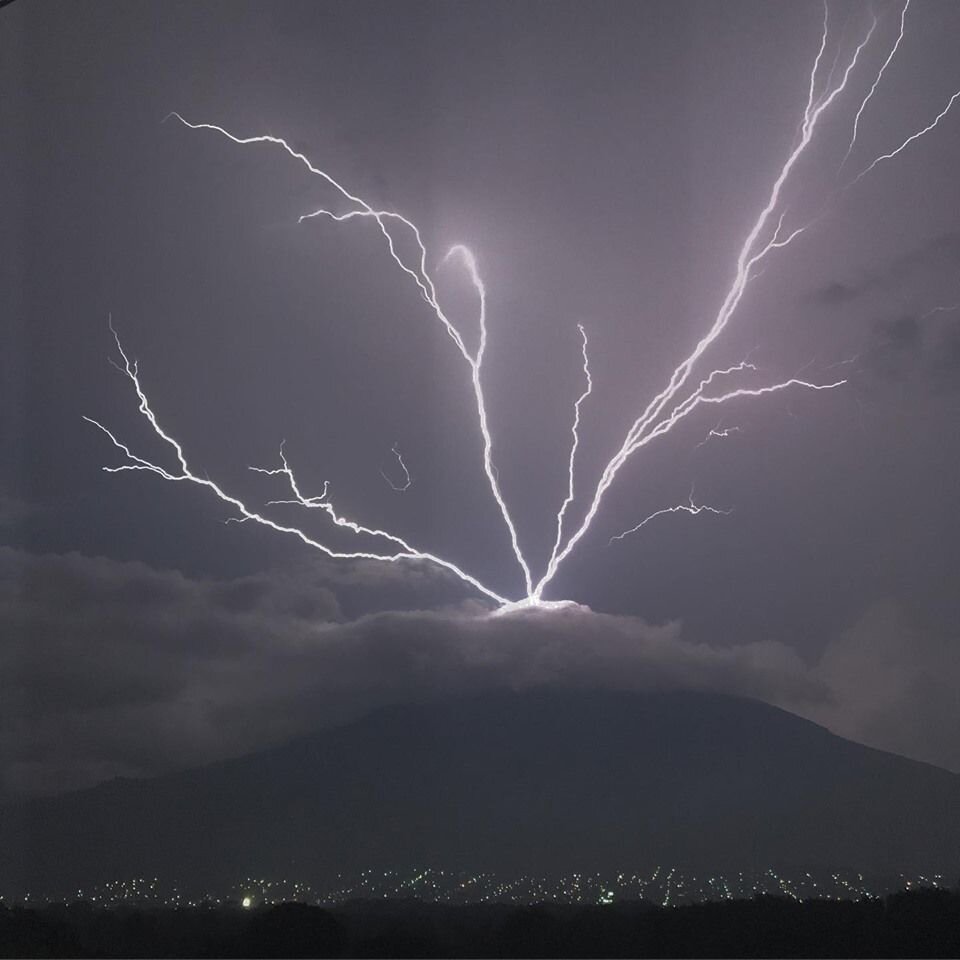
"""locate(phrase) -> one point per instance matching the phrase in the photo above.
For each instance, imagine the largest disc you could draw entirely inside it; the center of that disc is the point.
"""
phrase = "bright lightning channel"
(185, 474)
(670, 407)
(425, 284)
(751, 254)
(575, 431)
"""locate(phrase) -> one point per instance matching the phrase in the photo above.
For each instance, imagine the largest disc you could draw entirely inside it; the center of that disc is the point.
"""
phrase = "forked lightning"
(682, 395)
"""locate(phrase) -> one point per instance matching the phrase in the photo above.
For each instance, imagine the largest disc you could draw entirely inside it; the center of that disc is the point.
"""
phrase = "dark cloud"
(922, 349)
(945, 361)
(135, 671)
(835, 294)
(894, 686)
(895, 348)
(902, 333)
(14, 510)
(940, 253)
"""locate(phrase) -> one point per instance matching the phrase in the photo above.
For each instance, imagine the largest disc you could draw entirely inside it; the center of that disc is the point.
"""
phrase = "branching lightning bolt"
(425, 284)
(678, 400)
(588, 389)
(876, 82)
(751, 253)
(406, 552)
(816, 65)
(691, 507)
(906, 143)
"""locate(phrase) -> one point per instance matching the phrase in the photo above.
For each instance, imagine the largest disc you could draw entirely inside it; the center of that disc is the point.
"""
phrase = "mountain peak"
(528, 782)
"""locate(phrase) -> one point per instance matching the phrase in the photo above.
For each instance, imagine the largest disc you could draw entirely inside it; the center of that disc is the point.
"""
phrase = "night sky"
(604, 161)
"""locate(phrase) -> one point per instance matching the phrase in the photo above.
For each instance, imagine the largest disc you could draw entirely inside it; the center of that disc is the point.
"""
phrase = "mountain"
(525, 783)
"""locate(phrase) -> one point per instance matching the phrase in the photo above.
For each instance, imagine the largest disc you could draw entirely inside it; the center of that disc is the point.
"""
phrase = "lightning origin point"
(532, 605)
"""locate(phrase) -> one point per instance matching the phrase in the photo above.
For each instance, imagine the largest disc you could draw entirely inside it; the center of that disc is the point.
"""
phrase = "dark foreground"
(923, 923)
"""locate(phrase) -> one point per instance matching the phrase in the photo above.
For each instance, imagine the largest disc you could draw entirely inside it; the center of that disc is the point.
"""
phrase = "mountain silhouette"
(530, 783)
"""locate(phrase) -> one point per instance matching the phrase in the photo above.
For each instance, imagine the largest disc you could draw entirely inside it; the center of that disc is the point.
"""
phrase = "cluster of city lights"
(663, 885)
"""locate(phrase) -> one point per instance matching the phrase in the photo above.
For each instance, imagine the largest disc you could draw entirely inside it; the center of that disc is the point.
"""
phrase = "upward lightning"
(691, 507)
(402, 550)
(876, 82)
(424, 282)
(913, 136)
(682, 396)
(575, 430)
(751, 254)
(407, 479)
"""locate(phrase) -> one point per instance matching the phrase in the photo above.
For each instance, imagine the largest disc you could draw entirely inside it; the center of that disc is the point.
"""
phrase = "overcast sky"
(605, 162)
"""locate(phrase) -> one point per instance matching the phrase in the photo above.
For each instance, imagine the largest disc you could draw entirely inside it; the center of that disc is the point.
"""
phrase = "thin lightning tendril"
(906, 143)
(665, 411)
(719, 432)
(407, 479)
(816, 66)
(950, 309)
(691, 507)
(876, 82)
(575, 430)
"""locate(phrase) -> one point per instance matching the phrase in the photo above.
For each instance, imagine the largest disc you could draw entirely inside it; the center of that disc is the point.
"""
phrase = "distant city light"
(666, 886)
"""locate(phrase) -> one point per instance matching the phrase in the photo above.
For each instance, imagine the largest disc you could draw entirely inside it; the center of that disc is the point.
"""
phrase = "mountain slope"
(521, 783)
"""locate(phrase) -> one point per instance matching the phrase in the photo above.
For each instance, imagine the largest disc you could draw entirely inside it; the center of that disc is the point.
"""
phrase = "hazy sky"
(605, 162)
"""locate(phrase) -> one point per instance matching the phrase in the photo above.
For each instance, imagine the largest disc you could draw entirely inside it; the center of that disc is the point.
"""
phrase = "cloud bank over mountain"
(115, 668)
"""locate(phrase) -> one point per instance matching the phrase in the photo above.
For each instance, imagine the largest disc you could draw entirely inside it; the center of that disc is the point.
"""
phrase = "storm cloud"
(937, 254)
(113, 668)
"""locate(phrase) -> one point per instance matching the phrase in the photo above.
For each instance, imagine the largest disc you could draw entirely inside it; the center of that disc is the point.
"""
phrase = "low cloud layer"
(113, 668)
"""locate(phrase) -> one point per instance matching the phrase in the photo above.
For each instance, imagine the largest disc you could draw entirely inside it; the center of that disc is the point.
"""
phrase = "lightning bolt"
(718, 432)
(407, 480)
(752, 252)
(691, 507)
(575, 443)
(816, 65)
(421, 277)
(677, 401)
(186, 474)
(876, 82)
(906, 143)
